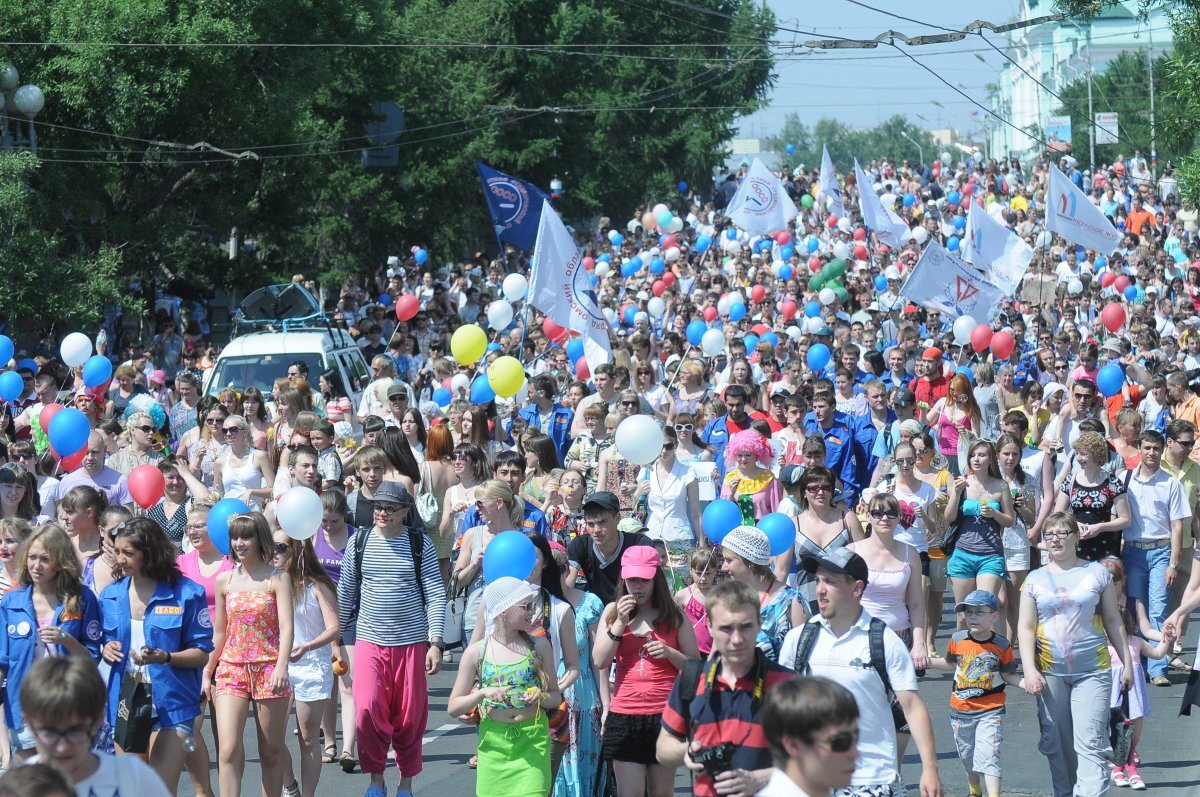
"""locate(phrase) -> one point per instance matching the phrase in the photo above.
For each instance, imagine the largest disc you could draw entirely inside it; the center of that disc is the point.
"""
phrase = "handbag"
(951, 538)
(427, 505)
(456, 608)
(135, 714)
(1120, 730)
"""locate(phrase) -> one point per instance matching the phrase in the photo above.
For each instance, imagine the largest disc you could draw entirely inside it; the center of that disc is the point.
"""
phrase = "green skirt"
(514, 759)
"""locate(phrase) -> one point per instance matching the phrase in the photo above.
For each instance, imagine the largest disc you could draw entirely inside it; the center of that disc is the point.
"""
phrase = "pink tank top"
(189, 565)
(643, 683)
(698, 615)
(948, 434)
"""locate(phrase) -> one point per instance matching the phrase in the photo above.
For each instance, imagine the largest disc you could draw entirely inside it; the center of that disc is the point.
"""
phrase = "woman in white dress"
(673, 508)
(241, 471)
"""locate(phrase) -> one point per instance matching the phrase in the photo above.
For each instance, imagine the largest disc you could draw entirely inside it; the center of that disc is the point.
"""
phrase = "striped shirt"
(390, 612)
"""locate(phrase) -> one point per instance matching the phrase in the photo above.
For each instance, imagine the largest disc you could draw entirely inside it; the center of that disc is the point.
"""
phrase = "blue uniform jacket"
(839, 451)
(176, 619)
(561, 419)
(534, 523)
(865, 435)
(716, 436)
(19, 640)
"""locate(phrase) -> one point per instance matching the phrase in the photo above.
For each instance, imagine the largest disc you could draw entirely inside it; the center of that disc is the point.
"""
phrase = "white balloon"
(841, 250)
(655, 252)
(794, 332)
(515, 287)
(500, 312)
(643, 295)
(843, 224)
(299, 512)
(811, 325)
(76, 349)
(671, 255)
(737, 297)
(656, 307)
(645, 257)
(601, 270)
(1075, 287)
(1043, 239)
(963, 325)
(459, 383)
(723, 304)
(713, 342)
(610, 315)
(639, 439)
(676, 225)
(946, 158)
(827, 296)
(949, 229)
(613, 234)
(659, 208)
(776, 267)
(920, 235)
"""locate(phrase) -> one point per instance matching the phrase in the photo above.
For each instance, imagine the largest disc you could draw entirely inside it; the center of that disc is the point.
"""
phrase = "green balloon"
(816, 282)
(806, 200)
(842, 294)
(837, 267)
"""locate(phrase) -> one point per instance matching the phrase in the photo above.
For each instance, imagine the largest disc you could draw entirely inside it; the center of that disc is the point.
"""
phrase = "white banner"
(1107, 131)
(830, 186)
(883, 221)
(942, 282)
(1072, 215)
(996, 250)
(761, 205)
(561, 288)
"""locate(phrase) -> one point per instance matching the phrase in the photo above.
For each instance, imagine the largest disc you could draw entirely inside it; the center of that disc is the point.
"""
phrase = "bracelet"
(168, 661)
(612, 636)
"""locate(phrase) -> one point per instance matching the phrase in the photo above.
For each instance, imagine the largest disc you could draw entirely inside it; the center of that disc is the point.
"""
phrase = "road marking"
(440, 731)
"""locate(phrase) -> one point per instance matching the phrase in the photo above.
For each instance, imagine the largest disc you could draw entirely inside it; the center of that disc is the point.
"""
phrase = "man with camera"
(712, 720)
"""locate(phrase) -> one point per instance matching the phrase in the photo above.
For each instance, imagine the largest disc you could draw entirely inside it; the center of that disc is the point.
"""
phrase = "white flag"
(829, 185)
(883, 221)
(942, 282)
(561, 288)
(761, 205)
(996, 250)
(1072, 215)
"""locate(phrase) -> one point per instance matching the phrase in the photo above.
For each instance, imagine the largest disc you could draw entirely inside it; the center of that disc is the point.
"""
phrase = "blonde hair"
(496, 490)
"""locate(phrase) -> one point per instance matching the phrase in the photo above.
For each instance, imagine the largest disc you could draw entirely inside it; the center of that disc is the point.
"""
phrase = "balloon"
(710, 314)
(787, 251)
(751, 341)
(964, 325)
(788, 310)
(720, 517)
(442, 397)
(953, 197)
(420, 256)
(827, 296)
(1002, 345)
(648, 221)
(1075, 286)
(695, 332)
(952, 243)
(511, 553)
(787, 272)
(769, 337)
(469, 342)
(639, 439)
(147, 485)
(299, 512)
(589, 263)
(841, 250)
(783, 237)
(702, 243)
(72, 463)
(682, 186)
(1110, 379)
(630, 314)
(713, 343)
(617, 239)
(11, 386)
(981, 337)
(758, 293)
(481, 391)
(832, 221)
(910, 200)
(658, 266)
(812, 309)
(7, 349)
(671, 254)
(1130, 292)
(813, 244)
(759, 329)
(75, 349)
(814, 264)
(669, 278)
(920, 235)
(385, 299)
(553, 330)
(780, 530)
(1107, 279)
(47, 415)
(818, 357)
(1113, 316)
(97, 370)
(460, 383)
(881, 283)
(574, 349)
(506, 375)
(499, 314)
(581, 368)
(656, 307)
(807, 201)
(630, 267)
(218, 521)
(860, 252)
(515, 286)
(406, 307)
(737, 312)
(731, 234)
(790, 149)
(1121, 283)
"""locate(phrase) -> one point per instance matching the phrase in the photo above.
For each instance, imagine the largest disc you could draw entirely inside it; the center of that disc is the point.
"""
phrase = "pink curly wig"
(750, 442)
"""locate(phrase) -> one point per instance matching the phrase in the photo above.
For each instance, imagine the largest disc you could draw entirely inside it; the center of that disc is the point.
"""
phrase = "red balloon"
(1121, 283)
(710, 314)
(1002, 345)
(669, 278)
(860, 234)
(788, 310)
(1113, 316)
(668, 241)
(72, 463)
(146, 485)
(1107, 278)
(981, 337)
(760, 329)
(589, 263)
(860, 252)
(965, 203)
(581, 368)
(783, 238)
(407, 307)
(968, 189)
(446, 383)
(814, 264)
(757, 293)
(832, 222)
(47, 414)
(658, 288)
(552, 330)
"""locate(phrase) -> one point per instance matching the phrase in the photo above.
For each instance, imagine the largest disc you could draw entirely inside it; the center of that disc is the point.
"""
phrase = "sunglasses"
(282, 547)
(880, 514)
(233, 430)
(214, 421)
(819, 488)
(629, 403)
(839, 742)
(398, 399)
(684, 427)
(905, 460)
(146, 429)
(668, 447)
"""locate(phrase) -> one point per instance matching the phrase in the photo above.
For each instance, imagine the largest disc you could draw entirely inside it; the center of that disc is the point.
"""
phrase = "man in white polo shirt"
(1158, 508)
(839, 648)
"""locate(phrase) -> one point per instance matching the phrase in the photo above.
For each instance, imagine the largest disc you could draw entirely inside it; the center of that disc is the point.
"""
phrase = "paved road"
(1171, 757)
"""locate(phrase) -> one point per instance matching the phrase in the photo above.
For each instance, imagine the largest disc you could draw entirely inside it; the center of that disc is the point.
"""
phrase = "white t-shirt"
(780, 785)
(120, 776)
(914, 532)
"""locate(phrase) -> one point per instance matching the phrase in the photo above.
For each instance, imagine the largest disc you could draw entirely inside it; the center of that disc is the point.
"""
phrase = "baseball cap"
(903, 397)
(843, 560)
(791, 474)
(892, 273)
(602, 500)
(640, 561)
(823, 331)
(157, 377)
(392, 493)
(979, 597)
(749, 543)
(630, 525)
(780, 393)
(397, 390)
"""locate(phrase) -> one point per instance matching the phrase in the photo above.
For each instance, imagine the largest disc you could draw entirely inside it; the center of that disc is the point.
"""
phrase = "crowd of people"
(647, 637)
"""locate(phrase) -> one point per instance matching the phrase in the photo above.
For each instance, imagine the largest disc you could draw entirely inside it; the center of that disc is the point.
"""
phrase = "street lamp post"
(27, 100)
(920, 151)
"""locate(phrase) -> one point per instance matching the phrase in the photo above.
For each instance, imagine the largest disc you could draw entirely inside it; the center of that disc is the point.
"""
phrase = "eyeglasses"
(1061, 534)
(398, 399)
(920, 451)
(52, 736)
(629, 403)
(282, 547)
(22, 457)
(461, 457)
(902, 461)
(668, 447)
(1082, 396)
(880, 514)
(819, 488)
(684, 427)
(387, 509)
(839, 742)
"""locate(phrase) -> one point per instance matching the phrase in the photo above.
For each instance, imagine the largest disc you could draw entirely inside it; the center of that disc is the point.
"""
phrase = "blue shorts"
(972, 565)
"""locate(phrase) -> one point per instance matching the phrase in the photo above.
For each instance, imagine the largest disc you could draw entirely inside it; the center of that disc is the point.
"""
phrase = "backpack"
(416, 541)
(808, 639)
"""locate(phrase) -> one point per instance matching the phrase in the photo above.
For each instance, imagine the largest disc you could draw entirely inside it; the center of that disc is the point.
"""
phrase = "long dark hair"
(256, 394)
(551, 576)
(395, 446)
(337, 389)
(157, 550)
(304, 567)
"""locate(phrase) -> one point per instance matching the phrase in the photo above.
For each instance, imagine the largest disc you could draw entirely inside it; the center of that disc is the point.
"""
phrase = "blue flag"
(515, 205)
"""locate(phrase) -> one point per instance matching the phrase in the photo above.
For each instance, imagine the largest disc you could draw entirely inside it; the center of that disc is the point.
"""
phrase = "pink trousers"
(391, 705)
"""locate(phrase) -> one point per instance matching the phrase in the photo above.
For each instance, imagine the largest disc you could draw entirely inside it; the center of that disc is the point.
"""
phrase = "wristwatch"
(439, 644)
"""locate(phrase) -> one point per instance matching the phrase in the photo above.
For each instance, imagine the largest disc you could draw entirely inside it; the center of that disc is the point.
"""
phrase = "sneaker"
(1135, 780)
(293, 790)
(375, 791)
(1118, 777)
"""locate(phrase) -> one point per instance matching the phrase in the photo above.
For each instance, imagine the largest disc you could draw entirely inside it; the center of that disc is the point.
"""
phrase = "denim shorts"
(972, 565)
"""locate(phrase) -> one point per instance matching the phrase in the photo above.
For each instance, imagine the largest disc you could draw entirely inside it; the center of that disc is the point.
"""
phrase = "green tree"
(886, 140)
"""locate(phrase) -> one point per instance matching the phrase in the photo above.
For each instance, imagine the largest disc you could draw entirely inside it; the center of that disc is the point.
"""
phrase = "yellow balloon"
(468, 343)
(506, 375)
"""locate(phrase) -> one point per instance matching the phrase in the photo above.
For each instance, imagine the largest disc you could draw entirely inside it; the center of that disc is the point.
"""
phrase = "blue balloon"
(812, 309)
(720, 517)
(68, 432)
(695, 332)
(787, 252)
(420, 256)
(731, 234)
(682, 186)
(818, 357)
(780, 530)
(617, 239)
(574, 349)
(218, 519)
(737, 312)
(769, 337)
(1131, 292)
(910, 200)
(96, 371)
(630, 314)
(1109, 380)
(813, 244)
(11, 386)
(763, 245)
(511, 553)
(790, 149)
(604, 258)
(960, 222)
(751, 341)
(385, 299)
(952, 243)
(28, 365)
(481, 390)
(787, 272)
(6, 349)
(1101, 262)
(442, 397)
(953, 197)
(630, 268)
(702, 243)
(881, 283)
(658, 265)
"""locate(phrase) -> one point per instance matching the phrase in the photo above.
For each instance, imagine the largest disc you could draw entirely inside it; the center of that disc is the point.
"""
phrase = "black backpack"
(808, 639)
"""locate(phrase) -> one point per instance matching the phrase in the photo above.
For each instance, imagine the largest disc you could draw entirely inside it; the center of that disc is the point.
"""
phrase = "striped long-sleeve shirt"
(390, 612)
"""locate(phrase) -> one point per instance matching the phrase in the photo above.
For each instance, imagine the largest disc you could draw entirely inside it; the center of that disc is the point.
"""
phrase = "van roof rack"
(283, 307)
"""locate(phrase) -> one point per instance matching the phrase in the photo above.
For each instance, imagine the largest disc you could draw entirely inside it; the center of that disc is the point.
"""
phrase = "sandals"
(328, 753)
(348, 762)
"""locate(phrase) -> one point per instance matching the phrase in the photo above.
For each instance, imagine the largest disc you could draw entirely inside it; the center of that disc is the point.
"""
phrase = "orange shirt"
(977, 682)
(1138, 219)
(1189, 410)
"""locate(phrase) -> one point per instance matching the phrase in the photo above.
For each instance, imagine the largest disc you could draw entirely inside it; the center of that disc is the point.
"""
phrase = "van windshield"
(261, 371)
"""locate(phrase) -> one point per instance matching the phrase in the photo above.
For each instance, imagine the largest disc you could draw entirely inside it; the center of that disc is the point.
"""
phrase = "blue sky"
(864, 87)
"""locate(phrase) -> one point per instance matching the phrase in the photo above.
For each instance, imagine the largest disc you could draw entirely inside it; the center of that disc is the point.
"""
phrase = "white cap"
(892, 273)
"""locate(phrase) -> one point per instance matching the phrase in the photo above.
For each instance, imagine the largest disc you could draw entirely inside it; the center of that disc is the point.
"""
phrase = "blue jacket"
(716, 437)
(534, 523)
(561, 419)
(865, 435)
(19, 640)
(176, 620)
(839, 451)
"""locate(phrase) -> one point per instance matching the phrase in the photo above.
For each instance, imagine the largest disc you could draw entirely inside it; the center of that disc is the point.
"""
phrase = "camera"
(715, 759)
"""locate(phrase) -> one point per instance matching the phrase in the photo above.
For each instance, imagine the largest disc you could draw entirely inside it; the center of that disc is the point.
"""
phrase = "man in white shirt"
(841, 651)
(811, 725)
